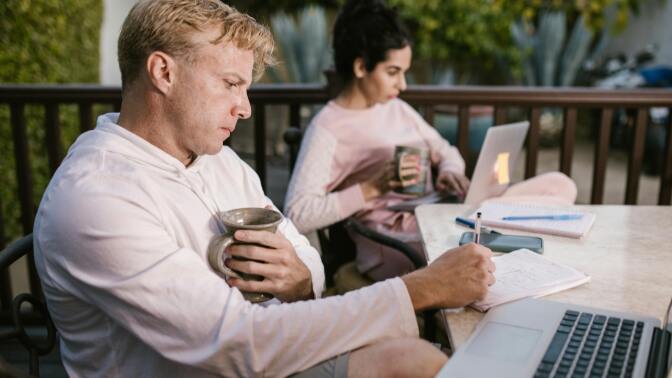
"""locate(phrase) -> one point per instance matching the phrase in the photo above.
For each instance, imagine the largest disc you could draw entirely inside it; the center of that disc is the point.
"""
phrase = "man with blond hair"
(123, 229)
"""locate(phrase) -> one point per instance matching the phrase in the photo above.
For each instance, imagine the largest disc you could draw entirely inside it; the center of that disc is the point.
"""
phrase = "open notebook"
(492, 214)
(523, 273)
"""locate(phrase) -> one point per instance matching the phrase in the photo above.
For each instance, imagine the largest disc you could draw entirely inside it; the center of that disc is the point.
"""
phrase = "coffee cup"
(248, 218)
(418, 180)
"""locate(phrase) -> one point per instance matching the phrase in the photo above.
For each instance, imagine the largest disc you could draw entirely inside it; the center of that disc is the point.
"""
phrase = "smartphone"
(506, 243)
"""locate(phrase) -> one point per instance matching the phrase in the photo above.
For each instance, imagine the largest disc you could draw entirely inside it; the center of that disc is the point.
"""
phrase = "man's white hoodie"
(121, 237)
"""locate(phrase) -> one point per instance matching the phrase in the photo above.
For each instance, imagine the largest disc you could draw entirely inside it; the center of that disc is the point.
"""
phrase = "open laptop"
(541, 338)
(498, 156)
(499, 152)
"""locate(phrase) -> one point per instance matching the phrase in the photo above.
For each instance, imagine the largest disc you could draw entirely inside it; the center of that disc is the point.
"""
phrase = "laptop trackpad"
(504, 342)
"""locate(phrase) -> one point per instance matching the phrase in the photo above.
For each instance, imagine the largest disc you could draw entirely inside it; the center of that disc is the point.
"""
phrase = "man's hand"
(452, 181)
(285, 275)
(457, 278)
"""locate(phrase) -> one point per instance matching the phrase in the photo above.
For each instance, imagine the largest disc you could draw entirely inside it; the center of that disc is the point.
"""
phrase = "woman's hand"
(451, 181)
(409, 169)
(380, 183)
(389, 178)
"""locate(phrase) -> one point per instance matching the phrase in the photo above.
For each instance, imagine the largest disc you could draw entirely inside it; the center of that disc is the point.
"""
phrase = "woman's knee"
(561, 185)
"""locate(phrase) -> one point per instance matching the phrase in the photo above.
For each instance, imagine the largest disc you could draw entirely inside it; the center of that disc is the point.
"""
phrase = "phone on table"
(505, 243)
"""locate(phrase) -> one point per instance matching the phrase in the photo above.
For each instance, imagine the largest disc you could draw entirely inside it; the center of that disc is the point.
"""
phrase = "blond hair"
(167, 25)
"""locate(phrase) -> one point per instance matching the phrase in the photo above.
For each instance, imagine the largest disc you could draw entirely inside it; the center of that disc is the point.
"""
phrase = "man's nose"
(243, 110)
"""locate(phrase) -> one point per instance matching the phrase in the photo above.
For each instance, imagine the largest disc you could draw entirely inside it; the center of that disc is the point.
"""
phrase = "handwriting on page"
(523, 273)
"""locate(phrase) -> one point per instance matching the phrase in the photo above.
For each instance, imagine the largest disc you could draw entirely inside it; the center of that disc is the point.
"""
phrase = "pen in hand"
(477, 228)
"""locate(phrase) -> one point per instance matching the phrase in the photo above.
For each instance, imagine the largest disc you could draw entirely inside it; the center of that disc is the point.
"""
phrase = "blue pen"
(470, 224)
(558, 217)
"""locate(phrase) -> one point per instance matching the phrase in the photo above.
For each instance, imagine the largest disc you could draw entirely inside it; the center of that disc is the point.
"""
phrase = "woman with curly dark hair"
(344, 164)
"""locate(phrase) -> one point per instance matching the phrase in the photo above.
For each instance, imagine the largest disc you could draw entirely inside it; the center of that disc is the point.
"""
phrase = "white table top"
(627, 253)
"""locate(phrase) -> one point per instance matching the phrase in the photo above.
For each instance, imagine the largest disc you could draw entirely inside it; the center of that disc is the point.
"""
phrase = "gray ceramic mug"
(248, 218)
(423, 156)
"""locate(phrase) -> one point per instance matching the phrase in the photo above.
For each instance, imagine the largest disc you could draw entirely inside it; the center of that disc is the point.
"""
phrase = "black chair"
(39, 316)
(338, 249)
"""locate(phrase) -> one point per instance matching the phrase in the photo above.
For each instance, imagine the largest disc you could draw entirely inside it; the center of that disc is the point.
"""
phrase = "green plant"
(473, 38)
(303, 44)
(50, 41)
(551, 57)
(264, 9)
(469, 37)
(595, 13)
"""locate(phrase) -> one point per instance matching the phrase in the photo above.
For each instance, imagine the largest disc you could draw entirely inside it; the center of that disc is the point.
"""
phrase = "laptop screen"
(496, 161)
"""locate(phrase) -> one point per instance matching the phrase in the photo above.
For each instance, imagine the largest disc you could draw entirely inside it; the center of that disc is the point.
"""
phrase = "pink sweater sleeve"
(308, 204)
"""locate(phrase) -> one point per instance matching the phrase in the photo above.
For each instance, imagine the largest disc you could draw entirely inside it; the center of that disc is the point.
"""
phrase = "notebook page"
(492, 214)
(523, 273)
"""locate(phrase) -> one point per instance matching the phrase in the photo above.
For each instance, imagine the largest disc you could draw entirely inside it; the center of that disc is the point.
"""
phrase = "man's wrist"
(417, 290)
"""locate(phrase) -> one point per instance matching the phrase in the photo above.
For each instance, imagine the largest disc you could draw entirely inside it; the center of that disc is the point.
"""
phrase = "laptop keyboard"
(589, 345)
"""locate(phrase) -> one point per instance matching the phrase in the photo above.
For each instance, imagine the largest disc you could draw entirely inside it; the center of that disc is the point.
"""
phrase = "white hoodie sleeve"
(121, 261)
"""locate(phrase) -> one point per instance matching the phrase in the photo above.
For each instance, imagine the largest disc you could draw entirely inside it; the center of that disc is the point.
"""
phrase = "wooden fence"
(429, 99)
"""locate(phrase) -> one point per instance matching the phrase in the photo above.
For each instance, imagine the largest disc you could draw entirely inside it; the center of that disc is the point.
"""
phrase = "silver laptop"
(541, 338)
(501, 148)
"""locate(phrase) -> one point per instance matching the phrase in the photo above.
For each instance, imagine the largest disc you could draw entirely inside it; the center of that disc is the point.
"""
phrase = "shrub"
(46, 41)
(473, 37)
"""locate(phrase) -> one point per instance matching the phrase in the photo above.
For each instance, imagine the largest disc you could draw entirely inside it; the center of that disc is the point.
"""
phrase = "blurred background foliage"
(304, 46)
(46, 41)
(264, 9)
(474, 41)
(474, 38)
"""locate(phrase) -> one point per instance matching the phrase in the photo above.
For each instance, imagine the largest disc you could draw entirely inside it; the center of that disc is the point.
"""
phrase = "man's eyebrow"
(394, 67)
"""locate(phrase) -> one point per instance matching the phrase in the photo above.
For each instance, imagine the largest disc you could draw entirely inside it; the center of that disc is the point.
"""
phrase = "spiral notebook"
(492, 214)
(523, 273)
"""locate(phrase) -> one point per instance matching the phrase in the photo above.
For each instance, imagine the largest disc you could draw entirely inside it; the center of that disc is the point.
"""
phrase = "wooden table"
(627, 253)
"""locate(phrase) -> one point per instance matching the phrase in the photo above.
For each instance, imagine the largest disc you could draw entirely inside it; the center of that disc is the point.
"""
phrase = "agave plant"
(304, 53)
(551, 58)
(304, 46)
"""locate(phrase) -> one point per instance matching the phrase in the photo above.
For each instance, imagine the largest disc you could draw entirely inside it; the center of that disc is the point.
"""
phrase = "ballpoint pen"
(477, 228)
(469, 223)
(558, 217)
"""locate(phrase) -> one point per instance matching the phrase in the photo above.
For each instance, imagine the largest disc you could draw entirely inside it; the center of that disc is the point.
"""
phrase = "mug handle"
(217, 255)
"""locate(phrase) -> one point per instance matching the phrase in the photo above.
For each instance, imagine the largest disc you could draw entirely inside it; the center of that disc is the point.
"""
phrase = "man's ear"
(161, 69)
(359, 68)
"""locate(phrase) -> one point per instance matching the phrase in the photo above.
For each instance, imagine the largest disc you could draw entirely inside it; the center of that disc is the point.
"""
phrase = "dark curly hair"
(366, 29)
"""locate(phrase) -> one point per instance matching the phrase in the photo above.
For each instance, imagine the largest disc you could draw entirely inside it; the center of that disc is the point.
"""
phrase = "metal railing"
(429, 99)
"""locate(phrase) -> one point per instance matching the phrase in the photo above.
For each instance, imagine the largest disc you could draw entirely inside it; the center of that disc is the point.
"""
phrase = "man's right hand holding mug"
(272, 256)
